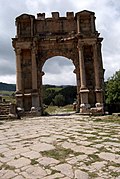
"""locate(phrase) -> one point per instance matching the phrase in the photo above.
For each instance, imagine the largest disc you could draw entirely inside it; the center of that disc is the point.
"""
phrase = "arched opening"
(59, 84)
(59, 71)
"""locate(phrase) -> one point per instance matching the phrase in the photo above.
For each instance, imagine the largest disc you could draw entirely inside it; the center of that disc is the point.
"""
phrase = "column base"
(99, 96)
(98, 110)
(84, 108)
(35, 100)
(36, 111)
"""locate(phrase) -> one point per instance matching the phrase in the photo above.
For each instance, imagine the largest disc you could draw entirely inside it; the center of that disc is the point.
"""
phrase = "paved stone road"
(59, 147)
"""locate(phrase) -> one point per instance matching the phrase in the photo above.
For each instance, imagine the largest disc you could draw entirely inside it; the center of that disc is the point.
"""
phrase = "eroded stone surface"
(80, 174)
(110, 156)
(72, 148)
(48, 161)
(18, 163)
(65, 169)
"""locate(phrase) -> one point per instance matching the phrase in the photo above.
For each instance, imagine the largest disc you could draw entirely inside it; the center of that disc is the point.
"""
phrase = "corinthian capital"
(18, 51)
(34, 50)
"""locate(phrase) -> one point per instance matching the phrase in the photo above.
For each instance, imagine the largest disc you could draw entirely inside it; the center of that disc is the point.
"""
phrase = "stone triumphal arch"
(74, 37)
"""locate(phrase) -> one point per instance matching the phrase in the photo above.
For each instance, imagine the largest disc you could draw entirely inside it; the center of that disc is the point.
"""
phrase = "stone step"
(4, 109)
(3, 117)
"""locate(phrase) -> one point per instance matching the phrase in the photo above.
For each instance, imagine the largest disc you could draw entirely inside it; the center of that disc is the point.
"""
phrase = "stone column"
(96, 67)
(98, 85)
(76, 71)
(83, 89)
(32, 27)
(18, 71)
(82, 68)
(34, 70)
(35, 96)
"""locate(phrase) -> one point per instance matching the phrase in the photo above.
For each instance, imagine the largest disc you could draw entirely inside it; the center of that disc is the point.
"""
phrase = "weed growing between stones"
(114, 164)
(115, 174)
(58, 153)
(6, 167)
(54, 171)
(91, 138)
(103, 149)
(2, 155)
(92, 174)
(118, 153)
(115, 119)
(34, 162)
(94, 157)
(111, 140)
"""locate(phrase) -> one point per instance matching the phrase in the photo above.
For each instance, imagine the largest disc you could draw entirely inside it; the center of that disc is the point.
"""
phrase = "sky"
(59, 70)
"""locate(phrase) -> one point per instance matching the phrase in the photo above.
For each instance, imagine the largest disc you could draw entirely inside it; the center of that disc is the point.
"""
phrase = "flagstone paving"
(65, 147)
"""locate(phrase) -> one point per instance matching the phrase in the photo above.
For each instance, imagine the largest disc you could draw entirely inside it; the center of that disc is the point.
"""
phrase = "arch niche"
(74, 37)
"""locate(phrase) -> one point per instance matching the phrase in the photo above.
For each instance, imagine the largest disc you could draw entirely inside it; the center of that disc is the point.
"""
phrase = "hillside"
(7, 87)
(49, 92)
(68, 92)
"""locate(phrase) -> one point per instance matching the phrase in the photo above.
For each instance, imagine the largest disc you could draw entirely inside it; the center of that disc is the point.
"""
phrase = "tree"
(69, 94)
(59, 100)
(112, 89)
(48, 95)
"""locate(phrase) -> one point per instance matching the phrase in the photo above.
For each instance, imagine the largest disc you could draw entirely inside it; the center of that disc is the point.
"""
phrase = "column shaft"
(18, 71)
(82, 68)
(96, 67)
(98, 87)
(34, 70)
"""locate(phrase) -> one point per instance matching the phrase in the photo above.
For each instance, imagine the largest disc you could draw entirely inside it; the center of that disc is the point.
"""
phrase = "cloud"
(57, 65)
(107, 14)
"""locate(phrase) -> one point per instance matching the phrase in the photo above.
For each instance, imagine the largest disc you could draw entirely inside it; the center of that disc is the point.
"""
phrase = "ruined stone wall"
(73, 36)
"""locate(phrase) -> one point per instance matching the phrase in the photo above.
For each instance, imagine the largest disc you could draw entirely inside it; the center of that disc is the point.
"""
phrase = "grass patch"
(56, 109)
(58, 154)
(7, 93)
(118, 153)
(115, 164)
(115, 174)
(7, 167)
(92, 138)
(92, 174)
(54, 171)
(7, 96)
(115, 119)
(34, 162)
(103, 149)
(110, 140)
(72, 138)
(51, 109)
(2, 155)
(94, 157)
(56, 89)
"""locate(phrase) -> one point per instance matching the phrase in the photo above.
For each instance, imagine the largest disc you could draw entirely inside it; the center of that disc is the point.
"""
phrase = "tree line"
(59, 95)
(63, 95)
